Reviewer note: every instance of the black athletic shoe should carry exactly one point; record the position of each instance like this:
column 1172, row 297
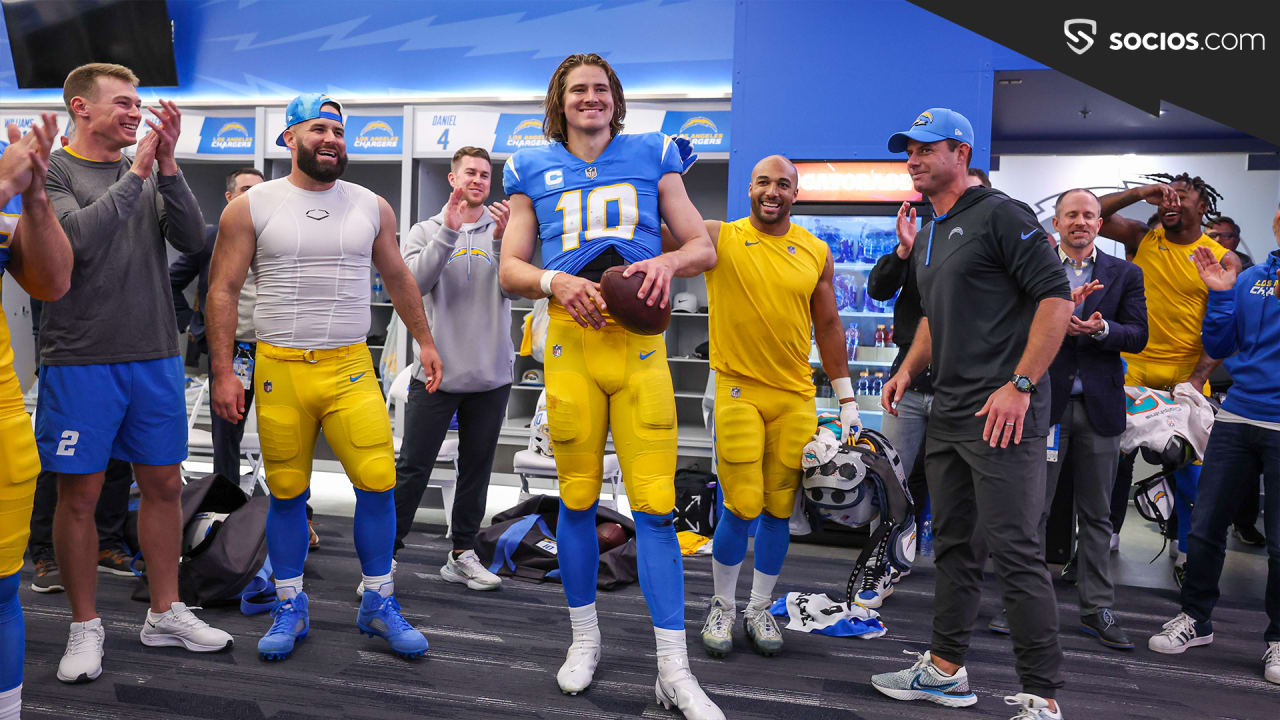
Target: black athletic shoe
column 1069, row 572
column 116, row 562
column 47, row 578
column 1180, row 573
column 999, row 623
column 1248, row 535
column 1103, row 626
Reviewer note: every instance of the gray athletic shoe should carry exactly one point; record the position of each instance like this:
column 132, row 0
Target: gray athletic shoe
column 762, row 632
column 717, row 631
column 923, row 681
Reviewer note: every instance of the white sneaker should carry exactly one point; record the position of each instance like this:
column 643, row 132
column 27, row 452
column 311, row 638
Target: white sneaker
column 360, row 585
column 466, row 568
column 877, row 585
column 180, row 626
column 1032, row 707
column 717, row 631
column 1178, row 635
column 579, row 666
column 676, row 687
column 1271, row 663
column 1115, row 542
column 82, row 661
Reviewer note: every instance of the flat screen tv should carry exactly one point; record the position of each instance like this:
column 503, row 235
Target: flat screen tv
column 50, row 38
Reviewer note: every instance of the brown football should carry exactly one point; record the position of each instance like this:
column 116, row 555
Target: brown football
column 630, row 311
column 610, row 535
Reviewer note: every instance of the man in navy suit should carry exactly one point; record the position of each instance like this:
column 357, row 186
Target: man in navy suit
column 1088, row 402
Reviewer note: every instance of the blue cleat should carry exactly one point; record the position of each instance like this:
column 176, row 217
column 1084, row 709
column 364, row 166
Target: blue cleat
column 290, row 625
column 380, row 617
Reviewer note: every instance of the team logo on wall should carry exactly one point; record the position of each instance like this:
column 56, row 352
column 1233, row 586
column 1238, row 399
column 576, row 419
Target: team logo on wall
column 233, row 136
column 1078, row 40
column 701, row 131
column 377, row 135
column 226, row 135
column 527, row 134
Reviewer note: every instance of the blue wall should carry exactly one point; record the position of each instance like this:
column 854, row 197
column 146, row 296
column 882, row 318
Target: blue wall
column 831, row 80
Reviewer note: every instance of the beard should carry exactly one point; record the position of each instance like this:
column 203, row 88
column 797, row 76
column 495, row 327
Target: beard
column 310, row 164
column 757, row 209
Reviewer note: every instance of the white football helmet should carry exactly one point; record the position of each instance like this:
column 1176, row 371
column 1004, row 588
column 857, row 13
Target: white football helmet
column 838, row 488
column 540, row 430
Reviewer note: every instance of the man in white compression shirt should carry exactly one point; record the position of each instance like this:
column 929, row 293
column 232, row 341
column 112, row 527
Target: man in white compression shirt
column 310, row 238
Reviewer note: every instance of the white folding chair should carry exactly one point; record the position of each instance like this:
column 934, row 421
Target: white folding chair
column 397, row 399
column 250, row 445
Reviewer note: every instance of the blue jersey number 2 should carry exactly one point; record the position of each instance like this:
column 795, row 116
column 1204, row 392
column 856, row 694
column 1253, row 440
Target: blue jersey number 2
column 597, row 212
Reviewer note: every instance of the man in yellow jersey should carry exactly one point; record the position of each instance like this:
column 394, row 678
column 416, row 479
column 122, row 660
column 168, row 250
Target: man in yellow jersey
column 772, row 284
column 34, row 251
column 1176, row 302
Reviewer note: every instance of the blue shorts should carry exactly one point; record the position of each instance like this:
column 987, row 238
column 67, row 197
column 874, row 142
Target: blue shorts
column 131, row 411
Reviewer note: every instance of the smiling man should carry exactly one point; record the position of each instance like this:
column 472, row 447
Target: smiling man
column 112, row 379
column 310, row 238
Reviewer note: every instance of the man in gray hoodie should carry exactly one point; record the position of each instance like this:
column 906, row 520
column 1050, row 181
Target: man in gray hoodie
column 454, row 257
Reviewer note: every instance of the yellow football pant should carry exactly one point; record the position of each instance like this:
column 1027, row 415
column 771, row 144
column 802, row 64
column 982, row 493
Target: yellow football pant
column 301, row 392
column 1159, row 376
column 610, row 379
column 760, row 435
column 19, row 465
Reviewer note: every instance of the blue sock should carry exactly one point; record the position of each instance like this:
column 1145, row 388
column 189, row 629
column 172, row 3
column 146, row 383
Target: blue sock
column 1187, row 481
column 772, row 540
column 730, row 545
column 13, row 634
column 287, row 535
column 661, row 569
column 578, row 550
column 375, row 530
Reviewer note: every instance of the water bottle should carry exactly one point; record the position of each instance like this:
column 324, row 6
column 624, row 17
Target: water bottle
column 881, row 336
column 877, row 384
column 851, row 342
column 926, row 535
column 377, row 294
column 864, row 384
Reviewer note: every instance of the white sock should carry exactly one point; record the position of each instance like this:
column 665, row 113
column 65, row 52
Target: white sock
column 725, row 580
column 672, row 648
column 289, row 588
column 381, row 584
column 1181, row 559
column 11, row 704
column 585, row 624
column 761, row 591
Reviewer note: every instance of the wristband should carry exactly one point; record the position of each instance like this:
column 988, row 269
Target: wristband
column 843, row 387
column 545, row 282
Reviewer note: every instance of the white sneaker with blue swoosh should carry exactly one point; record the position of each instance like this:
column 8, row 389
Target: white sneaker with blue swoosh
column 923, row 681
column 1032, row 707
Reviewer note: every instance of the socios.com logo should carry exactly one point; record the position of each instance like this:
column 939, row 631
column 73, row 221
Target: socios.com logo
column 377, row 135
column 527, row 134
column 233, row 136
column 1081, row 32
column 701, row 131
column 1078, row 40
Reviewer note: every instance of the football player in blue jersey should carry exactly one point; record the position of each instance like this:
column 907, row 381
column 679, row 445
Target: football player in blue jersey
column 34, row 251
column 595, row 199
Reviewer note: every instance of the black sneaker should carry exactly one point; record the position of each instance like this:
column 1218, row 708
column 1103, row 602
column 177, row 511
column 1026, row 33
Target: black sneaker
column 1103, row 626
column 999, row 623
column 1248, row 535
column 116, row 562
column 1180, row 573
column 47, row 578
column 1069, row 571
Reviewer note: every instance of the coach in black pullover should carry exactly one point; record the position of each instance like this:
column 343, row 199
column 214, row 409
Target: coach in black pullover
column 996, row 303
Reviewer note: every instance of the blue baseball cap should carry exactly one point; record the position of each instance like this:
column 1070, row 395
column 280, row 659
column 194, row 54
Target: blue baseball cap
column 933, row 125
column 307, row 107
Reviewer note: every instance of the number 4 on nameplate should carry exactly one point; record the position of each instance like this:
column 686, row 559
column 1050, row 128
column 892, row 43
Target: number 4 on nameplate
column 443, row 140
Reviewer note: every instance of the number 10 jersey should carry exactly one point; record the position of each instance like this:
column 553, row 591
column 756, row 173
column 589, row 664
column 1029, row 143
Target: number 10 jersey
column 584, row 208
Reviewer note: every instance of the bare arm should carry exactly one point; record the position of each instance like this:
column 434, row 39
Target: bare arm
column 40, row 257
column 232, row 253
column 516, row 274
column 405, row 297
column 1124, row 230
column 670, row 243
column 827, row 328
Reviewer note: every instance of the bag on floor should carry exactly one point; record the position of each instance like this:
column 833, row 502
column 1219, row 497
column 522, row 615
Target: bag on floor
column 695, row 501
column 224, row 543
column 521, row 543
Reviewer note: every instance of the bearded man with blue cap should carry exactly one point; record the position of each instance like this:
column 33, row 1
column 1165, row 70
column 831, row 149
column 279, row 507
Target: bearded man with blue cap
column 311, row 238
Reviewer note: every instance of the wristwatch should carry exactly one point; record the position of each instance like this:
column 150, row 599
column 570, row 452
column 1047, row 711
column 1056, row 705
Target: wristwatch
column 1023, row 384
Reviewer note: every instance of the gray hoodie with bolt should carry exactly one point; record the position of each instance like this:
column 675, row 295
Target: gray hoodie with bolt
column 469, row 315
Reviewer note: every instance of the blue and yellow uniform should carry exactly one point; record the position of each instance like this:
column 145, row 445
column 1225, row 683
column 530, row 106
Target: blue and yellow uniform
column 760, row 327
column 609, row 378
column 19, row 465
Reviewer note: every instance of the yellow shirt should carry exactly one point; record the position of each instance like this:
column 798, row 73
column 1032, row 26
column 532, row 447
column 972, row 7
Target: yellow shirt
column 1176, row 298
column 759, row 293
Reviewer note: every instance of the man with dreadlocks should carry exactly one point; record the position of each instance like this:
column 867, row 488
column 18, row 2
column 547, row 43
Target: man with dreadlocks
column 1176, row 299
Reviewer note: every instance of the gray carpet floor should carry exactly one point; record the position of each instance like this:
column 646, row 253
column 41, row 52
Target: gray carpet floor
column 494, row 655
